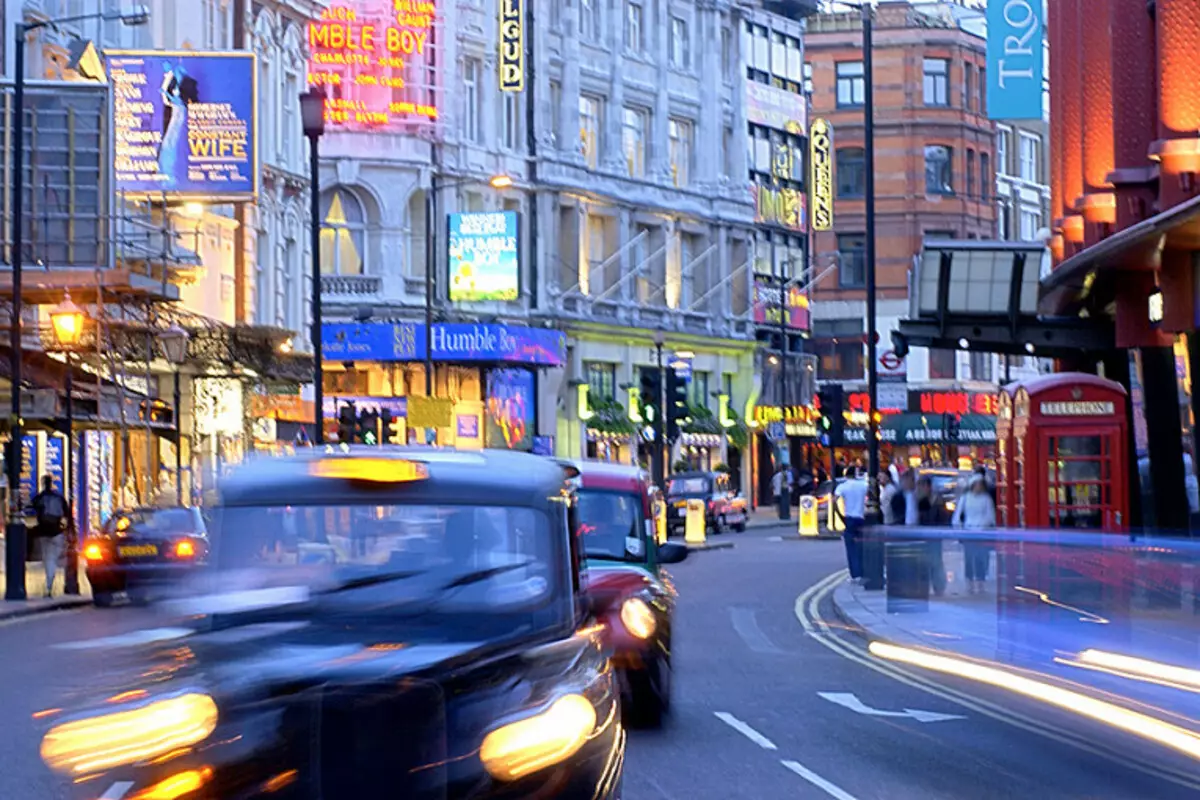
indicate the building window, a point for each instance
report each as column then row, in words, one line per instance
column 680, row 46
column 1030, row 157
column 985, row 176
column 969, row 88
column 943, row 365
column 1031, row 221
column 839, row 344
column 937, row 82
column 1003, row 137
column 633, row 141
column 698, row 389
column 983, row 90
column 555, row 104
column 472, row 69
column 940, row 235
column 590, row 122
column 726, row 52
column 851, row 172
column 852, row 261
column 981, row 366
column 589, row 20
column 512, row 121
column 851, row 85
column 939, row 171
column 680, row 132
column 634, row 28
column 343, row 234
column 970, row 173
column 1003, row 221
column 602, row 381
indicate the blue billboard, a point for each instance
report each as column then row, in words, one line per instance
column 405, row 341
column 1015, row 59
column 184, row 123
column 485, row 264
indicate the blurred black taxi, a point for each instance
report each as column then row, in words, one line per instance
column 382, row 623
column 724, row 506
column 139, row 548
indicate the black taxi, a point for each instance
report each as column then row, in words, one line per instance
column 375, row 623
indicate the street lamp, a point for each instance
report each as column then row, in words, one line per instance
column 15, row 534
column 174, row 342
column 67, row 320
column 312, row 115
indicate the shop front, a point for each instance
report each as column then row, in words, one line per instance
column 490, row 381
column 774, row 428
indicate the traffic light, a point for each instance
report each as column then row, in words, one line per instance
column 347, row 423
column 953, row 427
column 677, row 405
column 651, row 394
column 368, row 427
column 833, row 421
column 389, row 428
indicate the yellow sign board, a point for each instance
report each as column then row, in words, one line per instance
column 820, row 152
column 430, row 412
column 694, row 531
column 512, row 45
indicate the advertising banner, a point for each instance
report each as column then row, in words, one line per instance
column 405, row 341
column 775, row 108
column 54, row 464
column 29, row 470
column 767, row 308
column 184, row 123
column 484, row 260
column 820, row 143
column 509, row 409
column 1015, row 59
column 512, row 45
column 782, row 207
column 377, row 61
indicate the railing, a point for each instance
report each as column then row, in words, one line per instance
column 351, row 285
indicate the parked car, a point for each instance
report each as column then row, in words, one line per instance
column 724, row 507
column 447, row 651
column 625, row 563
column 140, row 548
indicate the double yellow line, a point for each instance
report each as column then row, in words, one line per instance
column 807, row 611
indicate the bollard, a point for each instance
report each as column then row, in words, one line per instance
column 836, row 523
column 808, row 524
column 694, row 524
column 660, row 522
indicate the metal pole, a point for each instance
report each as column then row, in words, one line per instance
column 15, row 533
column 873, row 573
column 314, row 179
column 179, row 442
column 785, row 495
column 430, row 261
column 71, row 574
column 660, row 423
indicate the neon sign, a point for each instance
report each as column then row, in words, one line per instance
column 782, row 207
column 512, row 46
column 821, row 159
column 376, row 63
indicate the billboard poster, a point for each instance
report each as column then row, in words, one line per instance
column 28, row 486
column 184, row 123
column 776, row 108
column 53, row 464
column 1015, row 59
column 767, row 308
column 377, row 62
column 508, row 412
column 452, row 341
column 485, row 265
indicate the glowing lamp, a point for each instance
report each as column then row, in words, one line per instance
column 67, row 321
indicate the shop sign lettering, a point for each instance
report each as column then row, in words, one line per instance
column 512, row 46
column 821, row 158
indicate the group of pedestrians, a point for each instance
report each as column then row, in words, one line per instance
column 907, row 500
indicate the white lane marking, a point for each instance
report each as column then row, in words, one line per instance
column 851, row 701
column 131, row 639
column 746, row 624
column 745, row 730
column 117, row 790
column 831, row 789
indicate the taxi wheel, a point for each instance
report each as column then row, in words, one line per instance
column 102, row 599
column 651, row 695
column 740, row 527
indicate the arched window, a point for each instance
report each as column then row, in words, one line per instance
column 343, row 234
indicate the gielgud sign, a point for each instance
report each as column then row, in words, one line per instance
column 820, row 155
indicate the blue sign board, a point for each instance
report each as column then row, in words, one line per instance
column 397, row 405
column 484, row 260
column 29, row 470
column 1015, row 59
column 468, row 426
column 543, row 445
column 54, row 461
column 185, row 123
column 405, row 341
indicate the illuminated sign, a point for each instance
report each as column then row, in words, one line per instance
column 954, row 403
column 378, row 61
column 792, row 415
column 1078, row 408
column 184, row 123
column 767, row 310
column 512, row 45
column 1155, row 307
column 484, row 262
column 1015, row 59
column 820, row 142
column 782, row 207
column 772, row 107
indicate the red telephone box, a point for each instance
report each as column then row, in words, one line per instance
column 1068, row 467
column 1005, row 511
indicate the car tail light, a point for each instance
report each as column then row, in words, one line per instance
column 185, row 549
column 93, row 552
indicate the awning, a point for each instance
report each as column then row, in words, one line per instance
column 917, row 429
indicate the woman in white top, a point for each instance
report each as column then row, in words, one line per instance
column 976, row 512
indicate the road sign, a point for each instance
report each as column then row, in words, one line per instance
column 776, row 431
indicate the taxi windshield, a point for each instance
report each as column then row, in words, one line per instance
column 610, row 524
column 687, row 487
column 153, row 522
column 480, row 557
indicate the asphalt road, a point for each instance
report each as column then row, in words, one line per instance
column 749, row 719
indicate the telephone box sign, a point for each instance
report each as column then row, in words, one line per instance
column 1078, row 408
column 512, row 45
column 821, row 157
column 378, row 59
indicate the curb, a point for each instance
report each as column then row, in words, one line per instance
column 20, row 608
column 717, row 546
column 795, row 537
column 849, row 623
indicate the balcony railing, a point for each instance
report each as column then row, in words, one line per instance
column 351, row 285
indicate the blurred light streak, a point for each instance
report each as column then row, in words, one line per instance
column 123, row 697
column 1084, row 616
column 1137, row 669
column 1155, row 730
column 46, row 712
column 281, row 781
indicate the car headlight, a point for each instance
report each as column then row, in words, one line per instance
column 126, row 737
column 526, row 746
column 638, row 618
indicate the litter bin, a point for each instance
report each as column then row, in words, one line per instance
column 907, row 576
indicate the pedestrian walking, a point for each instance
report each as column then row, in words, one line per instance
column 976, row 511
column 51, row 510
column 852, row 495
column 925, row 512
column 888, row 492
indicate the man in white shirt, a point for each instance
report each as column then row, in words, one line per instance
column 887, row 496
column 853, row 496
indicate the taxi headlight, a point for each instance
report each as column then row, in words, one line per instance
column 526, row 746
column 126, row 737
column 638, row 618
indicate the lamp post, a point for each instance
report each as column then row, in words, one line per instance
column 174, row 342
column 658, row 455
column 15, row 533
column 67, row 320
column 312, row 114
column 785, row 494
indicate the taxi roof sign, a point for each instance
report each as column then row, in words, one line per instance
column 375, row 470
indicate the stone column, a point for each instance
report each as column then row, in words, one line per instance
column 568, row 109
column 1135, row 109
column 612, row 157
column 659, row 168
column 1071, row 87
column 1057, row 98
column 1178, row 147
column 1099, row 202
column 707, row 156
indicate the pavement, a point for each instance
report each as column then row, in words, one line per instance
column 35, row 590
column 773, row 700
